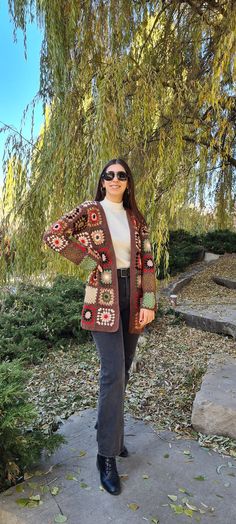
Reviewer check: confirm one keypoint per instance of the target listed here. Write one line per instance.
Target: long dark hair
(128, 197)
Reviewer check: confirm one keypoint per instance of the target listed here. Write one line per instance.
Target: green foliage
(185, 248)
(170, 113)
(221, 241)
(37, 318)
(21, 443)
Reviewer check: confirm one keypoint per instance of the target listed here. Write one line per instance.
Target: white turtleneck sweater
(119, 229)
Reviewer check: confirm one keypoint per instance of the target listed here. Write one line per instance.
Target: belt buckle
(123, 269)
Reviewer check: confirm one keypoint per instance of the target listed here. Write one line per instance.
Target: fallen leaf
(82, 453)
(172, 497)
(28, 475)
(200, 477)
(30, 502)
(35, 497)
(32, 485)
(193, 508)
(177, 508)
(124, 476)
(184, 490)
(133, 506)
(55, 490)
(19, 488)
(70, 476)
(84, 485)
(22, 501)
(44, 489)
(60, 519)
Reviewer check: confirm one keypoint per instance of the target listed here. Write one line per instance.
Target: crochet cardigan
(83, 235)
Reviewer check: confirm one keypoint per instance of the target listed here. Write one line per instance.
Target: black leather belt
(123, 272)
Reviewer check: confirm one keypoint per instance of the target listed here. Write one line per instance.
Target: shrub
(37, 318)
(21, 444)
(220, 241)
(185, 248)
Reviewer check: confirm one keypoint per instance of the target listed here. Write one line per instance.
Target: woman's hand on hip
(146, 316)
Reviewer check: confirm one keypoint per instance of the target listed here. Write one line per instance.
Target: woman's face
(115, 188)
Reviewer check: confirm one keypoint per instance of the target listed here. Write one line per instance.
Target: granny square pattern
(147, 246)
(98, 236)
(83, 237)
(88, 316)
(106, 297)
(106, 276)
(90, 295)
(93, 279)
(148, 300)
(105, 256)
(94, 216)
(57, 243)
(148, 264)
(58, 226)
(105, 316)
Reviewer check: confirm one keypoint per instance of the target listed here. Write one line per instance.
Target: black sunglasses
(109, 175)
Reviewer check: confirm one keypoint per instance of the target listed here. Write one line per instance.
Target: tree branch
(231, 160)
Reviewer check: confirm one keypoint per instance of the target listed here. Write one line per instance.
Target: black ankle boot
(124, 452)
(110, 479)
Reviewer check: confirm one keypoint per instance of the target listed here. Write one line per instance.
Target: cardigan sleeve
(149, 287)
(59, 237)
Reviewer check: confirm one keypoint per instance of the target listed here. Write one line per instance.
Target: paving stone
(170, 463)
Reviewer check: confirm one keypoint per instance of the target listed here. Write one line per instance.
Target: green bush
(35, 319)
(220, 241)
(185, 248)
(21, 443)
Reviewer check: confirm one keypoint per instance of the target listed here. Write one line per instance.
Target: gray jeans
(116, 352)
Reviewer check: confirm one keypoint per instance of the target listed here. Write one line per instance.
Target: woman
(110, 235)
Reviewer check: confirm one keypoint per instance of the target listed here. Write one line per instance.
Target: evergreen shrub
(185, 248)
(21, 443)
(220, 241)
(35, 319)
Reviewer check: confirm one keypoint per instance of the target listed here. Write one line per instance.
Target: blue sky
(19, 78)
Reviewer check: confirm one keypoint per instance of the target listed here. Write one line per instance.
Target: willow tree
(151, 81)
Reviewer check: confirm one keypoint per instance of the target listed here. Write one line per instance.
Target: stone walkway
(163, 477)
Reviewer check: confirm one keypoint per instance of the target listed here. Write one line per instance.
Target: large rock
(219, 318)
(214, 407)
(209, 257)
(226, 282)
